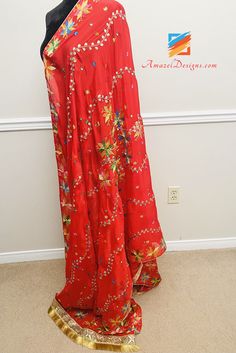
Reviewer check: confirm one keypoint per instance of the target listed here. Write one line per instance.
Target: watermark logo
(179, 44)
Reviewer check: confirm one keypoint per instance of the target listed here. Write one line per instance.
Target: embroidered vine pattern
(112, 298)
(141, 167)
(113, 215)
(143, 231)
(76, 262)
(142, 202)
(110, 262)
(93, 290)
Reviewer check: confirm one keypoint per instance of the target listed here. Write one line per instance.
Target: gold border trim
(87, 337)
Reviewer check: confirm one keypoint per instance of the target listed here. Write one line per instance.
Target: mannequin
(54, 19)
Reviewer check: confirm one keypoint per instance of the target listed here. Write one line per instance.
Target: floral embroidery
(105, 180)
(138, 130)
(105, 148)
(83, 9)
(67, 28)
(152, 251)
(107, 113)
(106, 198)
(54, 44)
(138, 255)
(48, 69)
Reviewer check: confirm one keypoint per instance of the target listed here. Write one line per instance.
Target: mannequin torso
(54, 19)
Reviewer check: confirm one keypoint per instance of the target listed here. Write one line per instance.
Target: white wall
(212, 26)
(191, 140)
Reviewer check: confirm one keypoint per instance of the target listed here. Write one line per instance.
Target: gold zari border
(87, 337)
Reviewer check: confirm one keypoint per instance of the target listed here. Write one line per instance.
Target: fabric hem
(136, 277)
(87, 337)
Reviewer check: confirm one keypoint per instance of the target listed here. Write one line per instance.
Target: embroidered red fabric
(109, 216)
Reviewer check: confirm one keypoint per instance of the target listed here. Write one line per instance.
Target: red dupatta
(109, 216)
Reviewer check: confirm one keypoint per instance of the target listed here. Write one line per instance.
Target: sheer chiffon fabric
(109, 215)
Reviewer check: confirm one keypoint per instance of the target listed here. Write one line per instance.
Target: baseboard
(172, 245)
(31, 255)
(201, 244)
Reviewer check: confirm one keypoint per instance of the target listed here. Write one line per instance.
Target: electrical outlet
(173, 194)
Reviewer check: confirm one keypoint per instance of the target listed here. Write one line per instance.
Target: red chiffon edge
(92, 339)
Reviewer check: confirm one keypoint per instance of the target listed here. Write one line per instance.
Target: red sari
(109, 216)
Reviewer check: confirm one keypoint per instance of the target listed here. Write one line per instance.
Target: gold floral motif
(115, 164)
(137, 254)
(104, 177)
(82, 9)
(49, 68)
(107, 113)
(138, 129)
(106, 148)
(152, 251)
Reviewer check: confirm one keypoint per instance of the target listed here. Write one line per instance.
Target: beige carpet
(193, 310)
